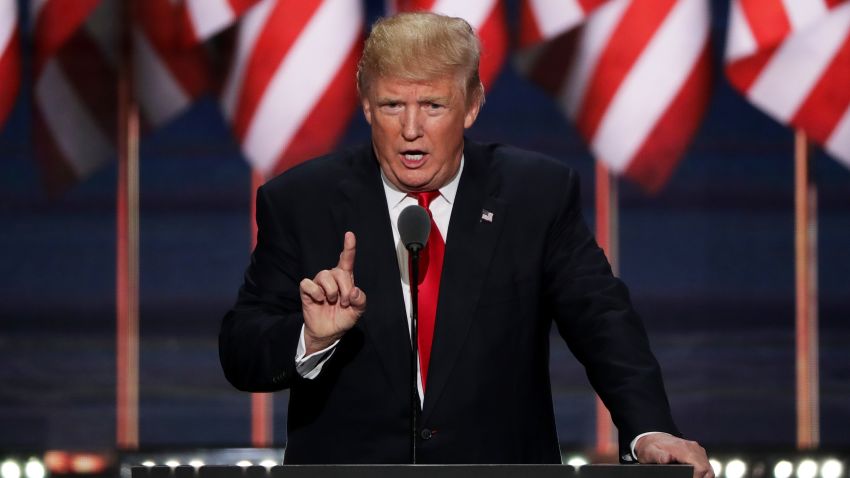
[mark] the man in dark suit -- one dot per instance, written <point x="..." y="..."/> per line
<point x="516" y="256"/>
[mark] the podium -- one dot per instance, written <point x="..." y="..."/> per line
<point x="416" y="471"/>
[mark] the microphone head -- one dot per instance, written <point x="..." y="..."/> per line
<point x="414" y="226"/>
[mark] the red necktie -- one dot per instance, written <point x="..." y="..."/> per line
<point x="430" y="268"/>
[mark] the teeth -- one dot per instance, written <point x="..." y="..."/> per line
<point x="413" y="157"/>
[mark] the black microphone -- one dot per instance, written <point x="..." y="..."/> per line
<point x="414" y="226"/>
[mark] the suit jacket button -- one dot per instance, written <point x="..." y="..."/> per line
<point x="425" y="434"/>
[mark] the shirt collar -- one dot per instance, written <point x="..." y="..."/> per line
<point x="396" y="196"/>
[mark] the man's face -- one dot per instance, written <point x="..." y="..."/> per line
<point x="417" y="130"/>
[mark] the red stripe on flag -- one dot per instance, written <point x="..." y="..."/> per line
<point x="829" y="99"/>
<point x="551" y="68"/>
<point x="767" y="20"/>
<point x="92" y="78"/>
<point x="743" y="73"/>
<point x="657" y="157"/>
<point x="834" y="3"/>
<point x="161" y="23"/>
<point x="10" y="75"/>
<point x="529" y="31"/>
<point x="241" y="6"/>
<point x="637" y="27"/>
<point x="282" y="28"/>
<point x="56" y="23"/>
<point x="328" y="118"/>
<point x="415" y="5"/>
<point x="590" y="5"/>
<point x="494" y="45"/>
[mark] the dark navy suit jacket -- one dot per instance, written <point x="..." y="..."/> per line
<point x="504" y="283"/>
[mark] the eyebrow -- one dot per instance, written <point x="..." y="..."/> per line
<point x="434" y="99"/>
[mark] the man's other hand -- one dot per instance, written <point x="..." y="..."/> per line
<point x="664" y="448"/>
<point x="330" y="302"/>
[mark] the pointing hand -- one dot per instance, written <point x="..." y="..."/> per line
<point x="330" y="302"/>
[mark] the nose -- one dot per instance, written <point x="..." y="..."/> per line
<point x="411" y="124"/>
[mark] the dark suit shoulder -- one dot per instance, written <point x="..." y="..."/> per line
<point x="318" y="174"/>
<point x="520" y="173"/>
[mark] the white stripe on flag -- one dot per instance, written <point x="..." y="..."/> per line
<point x="473" y="12"/>
<point x="161" y="97"/>
<point x="36" y="6"/>
<point x="251" y="25"/>
<point x="301" y="79"/>
<point x="595" y="37"/>
<point x="652" y="83"/>
<point x="554" y="17"/>
<point x="739" y="37"/>
<point x="209" y="16"/>
<point x="75" y="133"/>
<point x="801" y="13"/>
<point x="8" y="21"/>
<point x="786" y="81"/>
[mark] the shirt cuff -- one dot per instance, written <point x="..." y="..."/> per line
<point x="310" y="366"/>
<point x="634" y="442"/>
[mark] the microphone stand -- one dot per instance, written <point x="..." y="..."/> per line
<point x="414" y="350"/>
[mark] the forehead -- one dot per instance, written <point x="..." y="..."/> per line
<point x="446" y="87"/>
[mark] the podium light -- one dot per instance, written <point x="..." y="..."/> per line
<point x="716" y="466"/>
<point x="268" y="463"/>
<point x="831" y="468"/>
<point x="783" y="469"/>
<point x="34" y="469"/>
<point x="172" y="463"/>
<point x="577" y="461"/>
<point x="10" y="469"/>
<point x="196" y="463"/>
<point x="735" y="469"/>
<point x="148" y="463"/>
<point x="807" y="469"/>
<point x="244" y="463"/>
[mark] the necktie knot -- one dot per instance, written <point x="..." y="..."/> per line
<point x="424" y="198"/>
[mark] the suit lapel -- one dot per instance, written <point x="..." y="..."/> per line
<point x="362" y="208"/>
<point x="474" y="229"/>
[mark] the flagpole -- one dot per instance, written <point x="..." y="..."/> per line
<point x="127" y="246"/>
<point x="607" y="233"/>
<point x="262" y="406"/>
<point x="805" y="248"/>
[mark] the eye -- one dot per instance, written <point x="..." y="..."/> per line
<point x="433" y="107"/>
<point x="391" y="106"/>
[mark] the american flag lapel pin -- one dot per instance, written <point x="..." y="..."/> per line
<point x="486" y="216"/>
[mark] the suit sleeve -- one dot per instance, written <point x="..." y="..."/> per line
<point x="594" y="315"/>
<point x="259" y="335"/>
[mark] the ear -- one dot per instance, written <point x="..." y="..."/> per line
<point x="367" y="110"/>
<point x="472" y="112"/>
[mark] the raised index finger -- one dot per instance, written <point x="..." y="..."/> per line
<point x="346" y="257"/>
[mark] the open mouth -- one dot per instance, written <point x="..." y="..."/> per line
<point x="413" y="157"/>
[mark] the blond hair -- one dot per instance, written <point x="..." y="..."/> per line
<point x="422" y="46"/>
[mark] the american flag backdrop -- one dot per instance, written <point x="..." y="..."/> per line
<point x="290" y="91"/>
<point x="75" y="69"/>
<point x="635" y="78"/>
<point x="10" y="57"/>
<point x="791" y="59"/>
